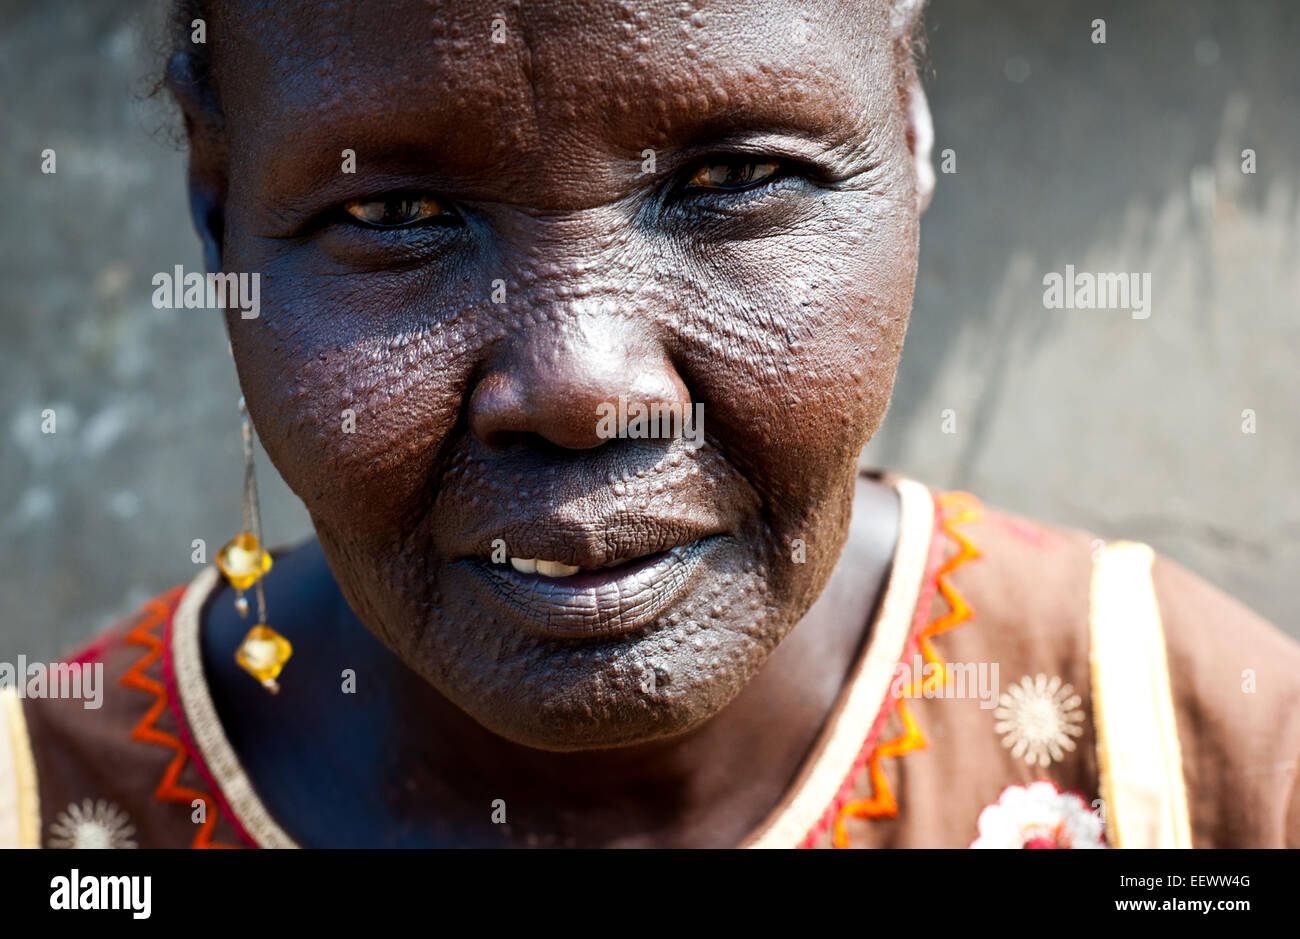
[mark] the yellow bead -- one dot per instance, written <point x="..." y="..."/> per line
<point x="263" y="653"/>
<point x="243" y="561"/>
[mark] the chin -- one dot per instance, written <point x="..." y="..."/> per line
<point x="616" y="656"/>
<point x="662" y="680"/>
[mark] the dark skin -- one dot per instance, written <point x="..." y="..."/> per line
<point x="501" y="263"/>
<point x="395" y="764"/>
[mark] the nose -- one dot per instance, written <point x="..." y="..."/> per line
<point x="557" y="384"/>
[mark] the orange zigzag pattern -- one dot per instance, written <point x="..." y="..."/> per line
<point x="957" y="508"/>
<point x="142" y="635"/>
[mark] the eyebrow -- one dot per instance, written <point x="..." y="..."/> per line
<point x="828" y="107"/>
<point x="410" y="143"/>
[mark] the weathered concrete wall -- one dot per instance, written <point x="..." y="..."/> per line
<point x="101" y="515"/>
<point x="1117" y="157"/>
<point x="1123" y="157"/>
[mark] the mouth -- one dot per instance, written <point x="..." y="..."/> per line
<point x="566" y="601"/>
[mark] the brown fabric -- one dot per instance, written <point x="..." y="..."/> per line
<point x="1028" y="595"/>
<point x="1240" y="747"/>
<point x="1027" y="590"/>
<point x="126" y="752"/>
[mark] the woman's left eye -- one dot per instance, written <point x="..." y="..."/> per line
<point x="732" y="175"/>
<point x="395" y="211"/>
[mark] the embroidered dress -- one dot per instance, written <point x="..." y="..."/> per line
<point x="1017" y="689"/>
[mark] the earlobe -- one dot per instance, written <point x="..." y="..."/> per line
<point x="207" y="164"/>
<point x="209" y="222"/>
<point x="920" y="139"/>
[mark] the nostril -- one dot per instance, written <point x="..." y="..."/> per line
<point x="522" y="440"/>
<point x="502" y="415"/>
<point x="496" y="410"/>
<point x="559" y="388"/>
<point x="504" y="439"/>
<point x="533" y="443"/>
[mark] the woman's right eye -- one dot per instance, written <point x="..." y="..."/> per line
<point x="732" y="175"/>
<point x="399" y="211"/>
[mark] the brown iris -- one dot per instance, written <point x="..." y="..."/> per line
<point x="394" y="211"/>
<point x="732" y="175"/>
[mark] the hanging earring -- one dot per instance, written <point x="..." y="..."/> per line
<point x="243" y="561"/>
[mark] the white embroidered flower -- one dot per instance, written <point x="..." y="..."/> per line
<point x="1039" y="816"/>
<point x="1038" y="718"/>
<point x="99" y="824"/>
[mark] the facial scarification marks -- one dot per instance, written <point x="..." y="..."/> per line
<point x="770" y="312"/>
<point x="597" y="698"/>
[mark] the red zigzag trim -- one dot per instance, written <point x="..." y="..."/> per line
<point x="955" y="508"/>
<point x="168" y="791"/>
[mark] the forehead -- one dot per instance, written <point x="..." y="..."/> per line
<point x="494" y="83"/>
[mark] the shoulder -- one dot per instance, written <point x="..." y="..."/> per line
<point x="1026" y="586"/>
<point x="94" y="749"/>
<point x="1044" y="599"/>
<point x="1235" y="680"/>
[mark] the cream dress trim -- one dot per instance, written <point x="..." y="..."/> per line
<point x="847" y="732"/>
<point x="20" y="800"/>
<point x="1138" y="751"/>
<point x="201" y="715"/>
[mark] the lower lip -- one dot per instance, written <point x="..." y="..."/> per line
<point x="595" y="604"/>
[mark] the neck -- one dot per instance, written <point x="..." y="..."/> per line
<point x="710" y="786"/>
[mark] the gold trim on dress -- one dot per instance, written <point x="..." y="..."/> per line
<point x="205" y="725"/>
<point x="1138" y="752"/>
<point x="847" y="732"/>
<point x="20" y="798"/>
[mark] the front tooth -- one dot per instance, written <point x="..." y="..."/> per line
<point x="555" y="569"/>
<point x="524" y="565"/>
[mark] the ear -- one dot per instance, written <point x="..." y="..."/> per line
<point x="920" y="137"/>
<point x="909" y="37"/>
<point x="207" y="178"/>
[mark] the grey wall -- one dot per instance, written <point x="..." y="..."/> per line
<point x="100" y="516"/>
<point x="1121" y="157"/>
<point x="1115" y="157"/>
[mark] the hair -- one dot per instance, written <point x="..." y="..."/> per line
<point x="186" y="63"/>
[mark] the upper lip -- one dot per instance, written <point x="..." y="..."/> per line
<point x="663" y="525"/>
<point x="591" y="545"/>
<point x="578" y="512"/>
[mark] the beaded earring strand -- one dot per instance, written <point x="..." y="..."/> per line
<point x="243" y="561"/>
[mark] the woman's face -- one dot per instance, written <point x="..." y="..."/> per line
<point x="679" y="204"/>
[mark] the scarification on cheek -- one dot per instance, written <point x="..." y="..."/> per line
<point x="785" y="323"/>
